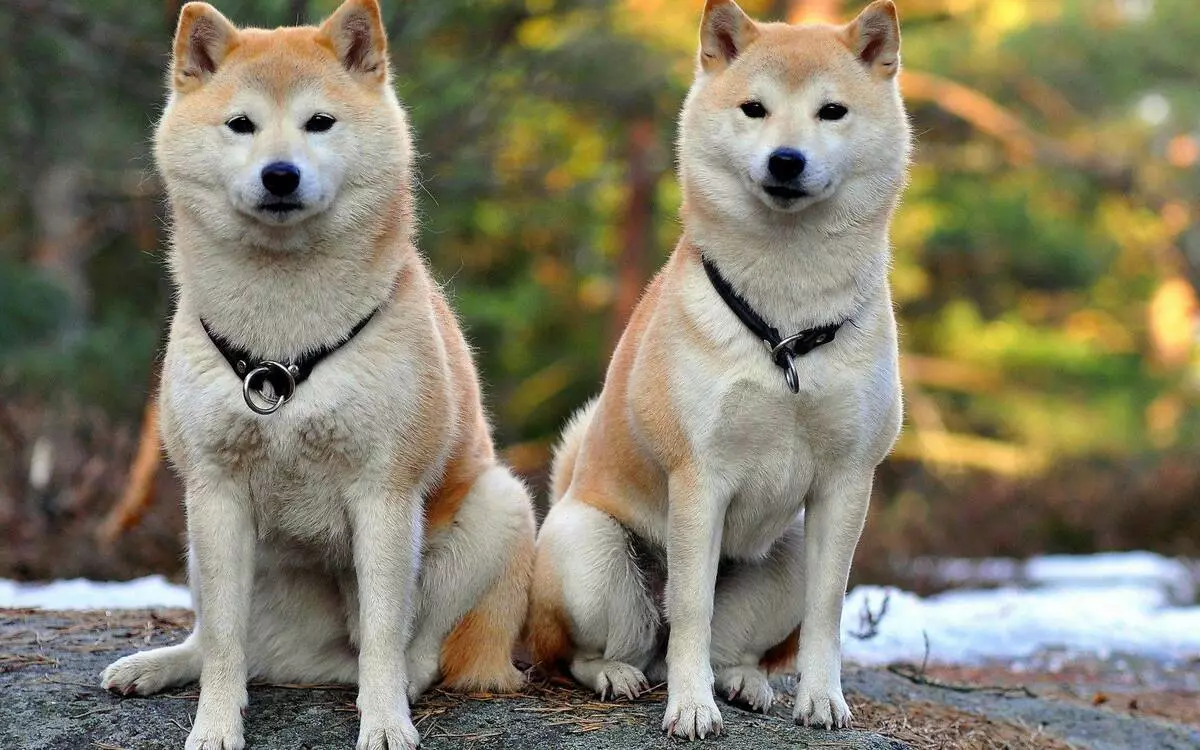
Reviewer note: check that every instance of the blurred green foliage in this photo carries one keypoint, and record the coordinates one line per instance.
(1045, 271)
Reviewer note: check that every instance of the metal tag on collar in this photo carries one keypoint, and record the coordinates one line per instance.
(262, 372)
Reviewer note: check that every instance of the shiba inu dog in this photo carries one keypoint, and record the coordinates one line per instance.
(347, 517)
(721, 478)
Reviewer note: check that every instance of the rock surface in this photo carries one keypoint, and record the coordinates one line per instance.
(49, 700)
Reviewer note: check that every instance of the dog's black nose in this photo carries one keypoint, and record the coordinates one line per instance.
(281, 178)
(786, 164)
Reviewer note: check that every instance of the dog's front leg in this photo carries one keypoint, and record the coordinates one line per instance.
(695, 521)
(833, 522)
(221, 535)
(387, 540)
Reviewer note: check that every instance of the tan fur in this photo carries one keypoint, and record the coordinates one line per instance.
(306, 526)
(547, 629)
(696, 452)
(782, 656)
(477, 655)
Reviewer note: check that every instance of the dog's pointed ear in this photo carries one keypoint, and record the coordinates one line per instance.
(356, 34)
(725, 33)
(875, 38)
(202, 40)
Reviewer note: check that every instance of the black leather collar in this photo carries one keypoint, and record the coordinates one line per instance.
(284, 377)
(783, 351)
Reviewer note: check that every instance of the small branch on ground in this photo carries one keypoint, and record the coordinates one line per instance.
(917, 676)
(868, 620)
(925, 658)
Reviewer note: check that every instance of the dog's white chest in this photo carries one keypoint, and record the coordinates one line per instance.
(298, 490)
(298, 469)
(765, 449)
(768, 445)
(297, 464)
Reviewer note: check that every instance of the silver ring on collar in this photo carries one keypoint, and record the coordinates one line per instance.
(261, 372)
(790, 376)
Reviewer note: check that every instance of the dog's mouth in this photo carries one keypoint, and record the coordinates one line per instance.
(785, 193)
(281, 212)
(280, 208)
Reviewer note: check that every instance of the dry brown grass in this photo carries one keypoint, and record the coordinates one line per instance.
(13, 662)
(928, 726)
(560, 703)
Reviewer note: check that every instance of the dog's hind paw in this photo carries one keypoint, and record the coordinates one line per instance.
(422, 674)
(610, 679)
(747, 686)
(619, 680)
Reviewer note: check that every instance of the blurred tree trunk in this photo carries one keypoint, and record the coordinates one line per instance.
(171, 13)
(297, 12)
(63, 239)
(636, 225)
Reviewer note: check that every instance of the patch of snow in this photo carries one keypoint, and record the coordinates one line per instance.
(1009, 624)
(79, 593)
(1105, 569)
(1124, 568)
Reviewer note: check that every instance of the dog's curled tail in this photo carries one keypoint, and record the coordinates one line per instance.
(562, 469)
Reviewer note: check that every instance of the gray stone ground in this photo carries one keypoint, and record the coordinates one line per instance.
(1083, 726)
(49, 700)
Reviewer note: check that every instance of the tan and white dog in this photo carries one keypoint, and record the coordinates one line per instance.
(716, 482)
(364, 531)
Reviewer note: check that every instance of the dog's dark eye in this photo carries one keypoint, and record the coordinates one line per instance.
(240, 124)
(754, 109)
(832, 112)
(319, 123)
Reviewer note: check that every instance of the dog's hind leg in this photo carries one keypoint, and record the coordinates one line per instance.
(473, 590)
(613, 617)
(298, 626)
(756, 621)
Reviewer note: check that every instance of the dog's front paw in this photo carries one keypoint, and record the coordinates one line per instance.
(392, 733)
(692, 714)
(135, 675)
(219, 735)
(821, 705)
(148, 672)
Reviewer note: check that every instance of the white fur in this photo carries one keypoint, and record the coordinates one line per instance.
(778, 483)
(306, 527)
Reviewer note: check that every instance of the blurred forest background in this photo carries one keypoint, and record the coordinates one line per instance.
(1046, 271)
